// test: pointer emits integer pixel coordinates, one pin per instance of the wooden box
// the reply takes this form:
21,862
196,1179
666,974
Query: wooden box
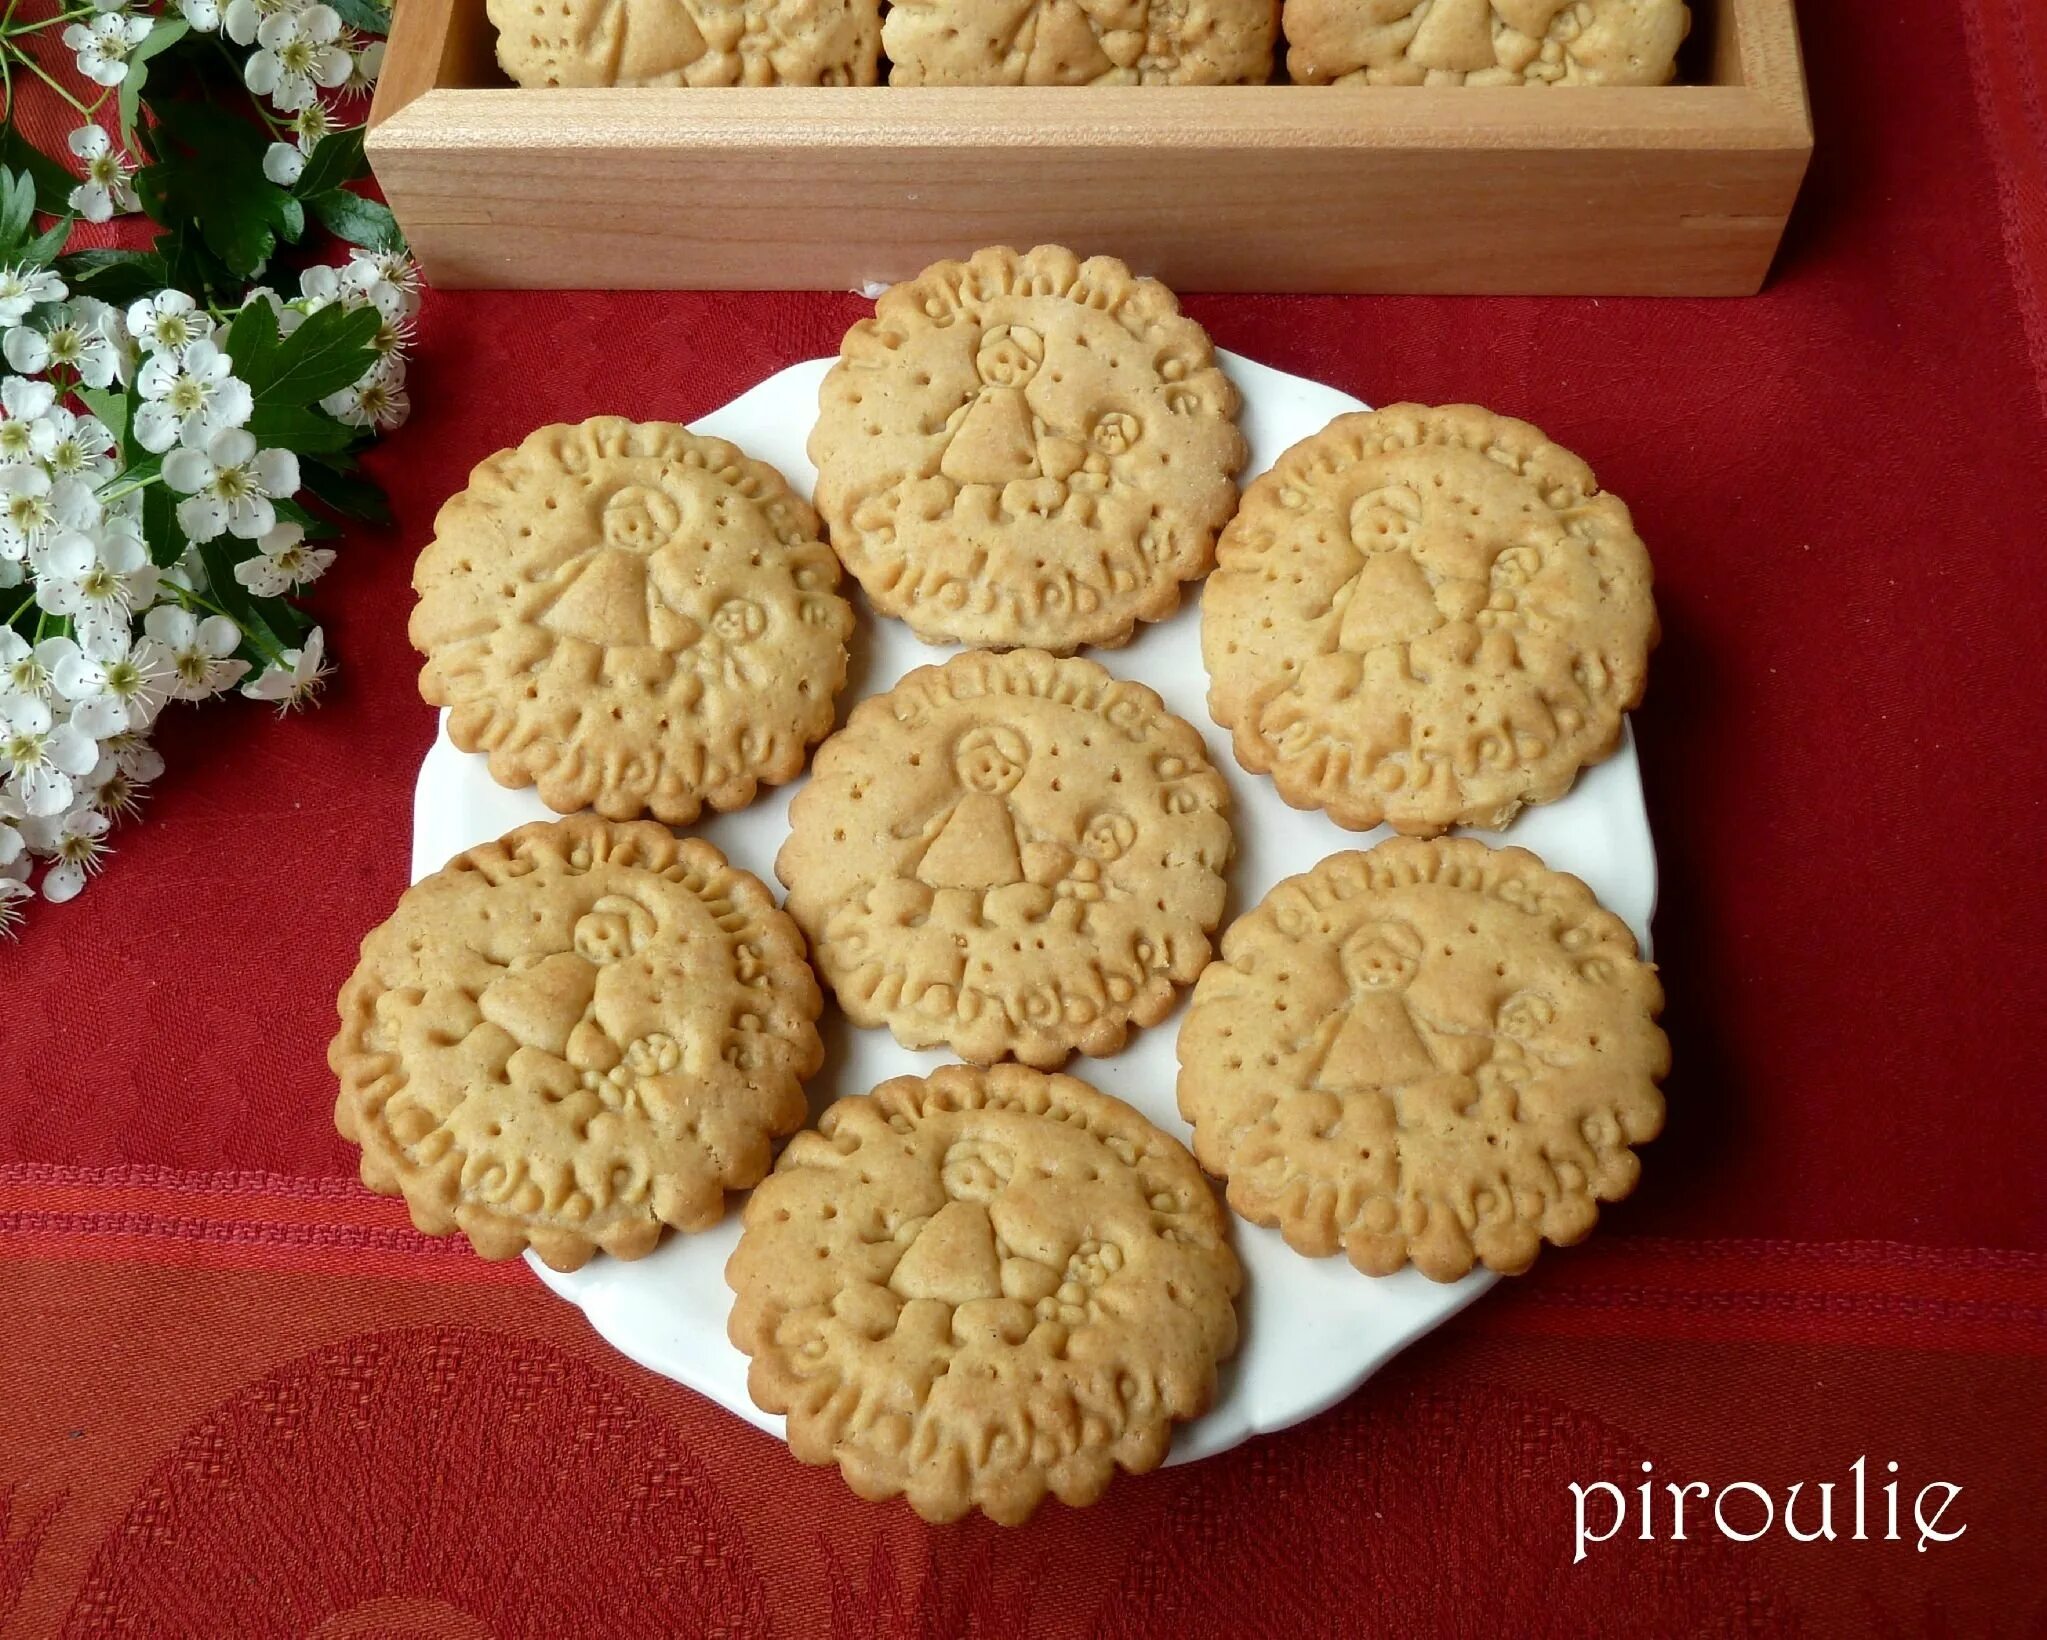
1677,190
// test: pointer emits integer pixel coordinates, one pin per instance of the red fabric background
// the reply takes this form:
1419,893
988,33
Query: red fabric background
241,1397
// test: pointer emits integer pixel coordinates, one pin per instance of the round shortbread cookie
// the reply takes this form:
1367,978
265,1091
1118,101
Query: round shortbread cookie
631,618
688,42
1430,1051
1080,42
1026,450
1484,42
1426,617
570,1037
1009,855
981,1286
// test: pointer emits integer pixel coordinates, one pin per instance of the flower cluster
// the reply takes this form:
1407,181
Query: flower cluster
111,607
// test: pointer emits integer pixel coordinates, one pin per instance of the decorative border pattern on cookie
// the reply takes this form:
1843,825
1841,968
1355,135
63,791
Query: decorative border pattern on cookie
982,1286
1430,1051
575,1035
1080,42
1485,42
688,42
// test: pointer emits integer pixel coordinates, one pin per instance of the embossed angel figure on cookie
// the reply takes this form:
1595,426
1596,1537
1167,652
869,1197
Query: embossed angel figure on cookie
1431,1051
1011,855
1427,618
1026,450
631,618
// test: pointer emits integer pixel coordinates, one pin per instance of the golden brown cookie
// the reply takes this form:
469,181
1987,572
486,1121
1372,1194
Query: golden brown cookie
981,1286
1080,42
1009,855
1431,1051
688,42
1484,42
631,618
1428,618
1026,450
570,1037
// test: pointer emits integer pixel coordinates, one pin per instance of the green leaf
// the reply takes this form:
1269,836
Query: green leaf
335,161
251,341
17,211
114,276
330,351
358,220
210,170
158,40
48,245
298,428
348,493
110,407
160,527
365,16
53,181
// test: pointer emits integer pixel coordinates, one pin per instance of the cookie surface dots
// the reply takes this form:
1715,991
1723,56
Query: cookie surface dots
632,618
983,1286
573,1036
1426,617
1484,42
1431,1051
1010,855
1026,450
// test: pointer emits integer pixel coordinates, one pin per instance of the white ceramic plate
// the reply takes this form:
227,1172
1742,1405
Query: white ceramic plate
1313,1330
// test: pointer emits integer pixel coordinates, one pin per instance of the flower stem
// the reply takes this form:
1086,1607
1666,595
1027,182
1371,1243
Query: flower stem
42,74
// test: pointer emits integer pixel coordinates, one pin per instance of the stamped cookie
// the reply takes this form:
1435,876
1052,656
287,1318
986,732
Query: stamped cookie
1009,855
1026,450
1080,42
1484,42
570,1037
631,618
981,1286
1431,1051
688,42
1428,618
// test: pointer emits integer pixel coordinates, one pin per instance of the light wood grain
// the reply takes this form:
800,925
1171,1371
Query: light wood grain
1668,190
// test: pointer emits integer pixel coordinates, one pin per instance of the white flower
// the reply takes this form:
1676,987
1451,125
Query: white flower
74,842
190,395
117,694
310,124
201,650
24,435
379,400
296,677
229,484
168,322
203,15
366,64
106,188
25,288
31,503
11,844
78,446
288,318
242,18
104,44
41,754
26,669
99,581
298,59
133,756
12,893
282,562
77,336
283,163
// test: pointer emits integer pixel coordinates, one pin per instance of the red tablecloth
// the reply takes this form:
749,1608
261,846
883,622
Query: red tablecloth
238,1396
